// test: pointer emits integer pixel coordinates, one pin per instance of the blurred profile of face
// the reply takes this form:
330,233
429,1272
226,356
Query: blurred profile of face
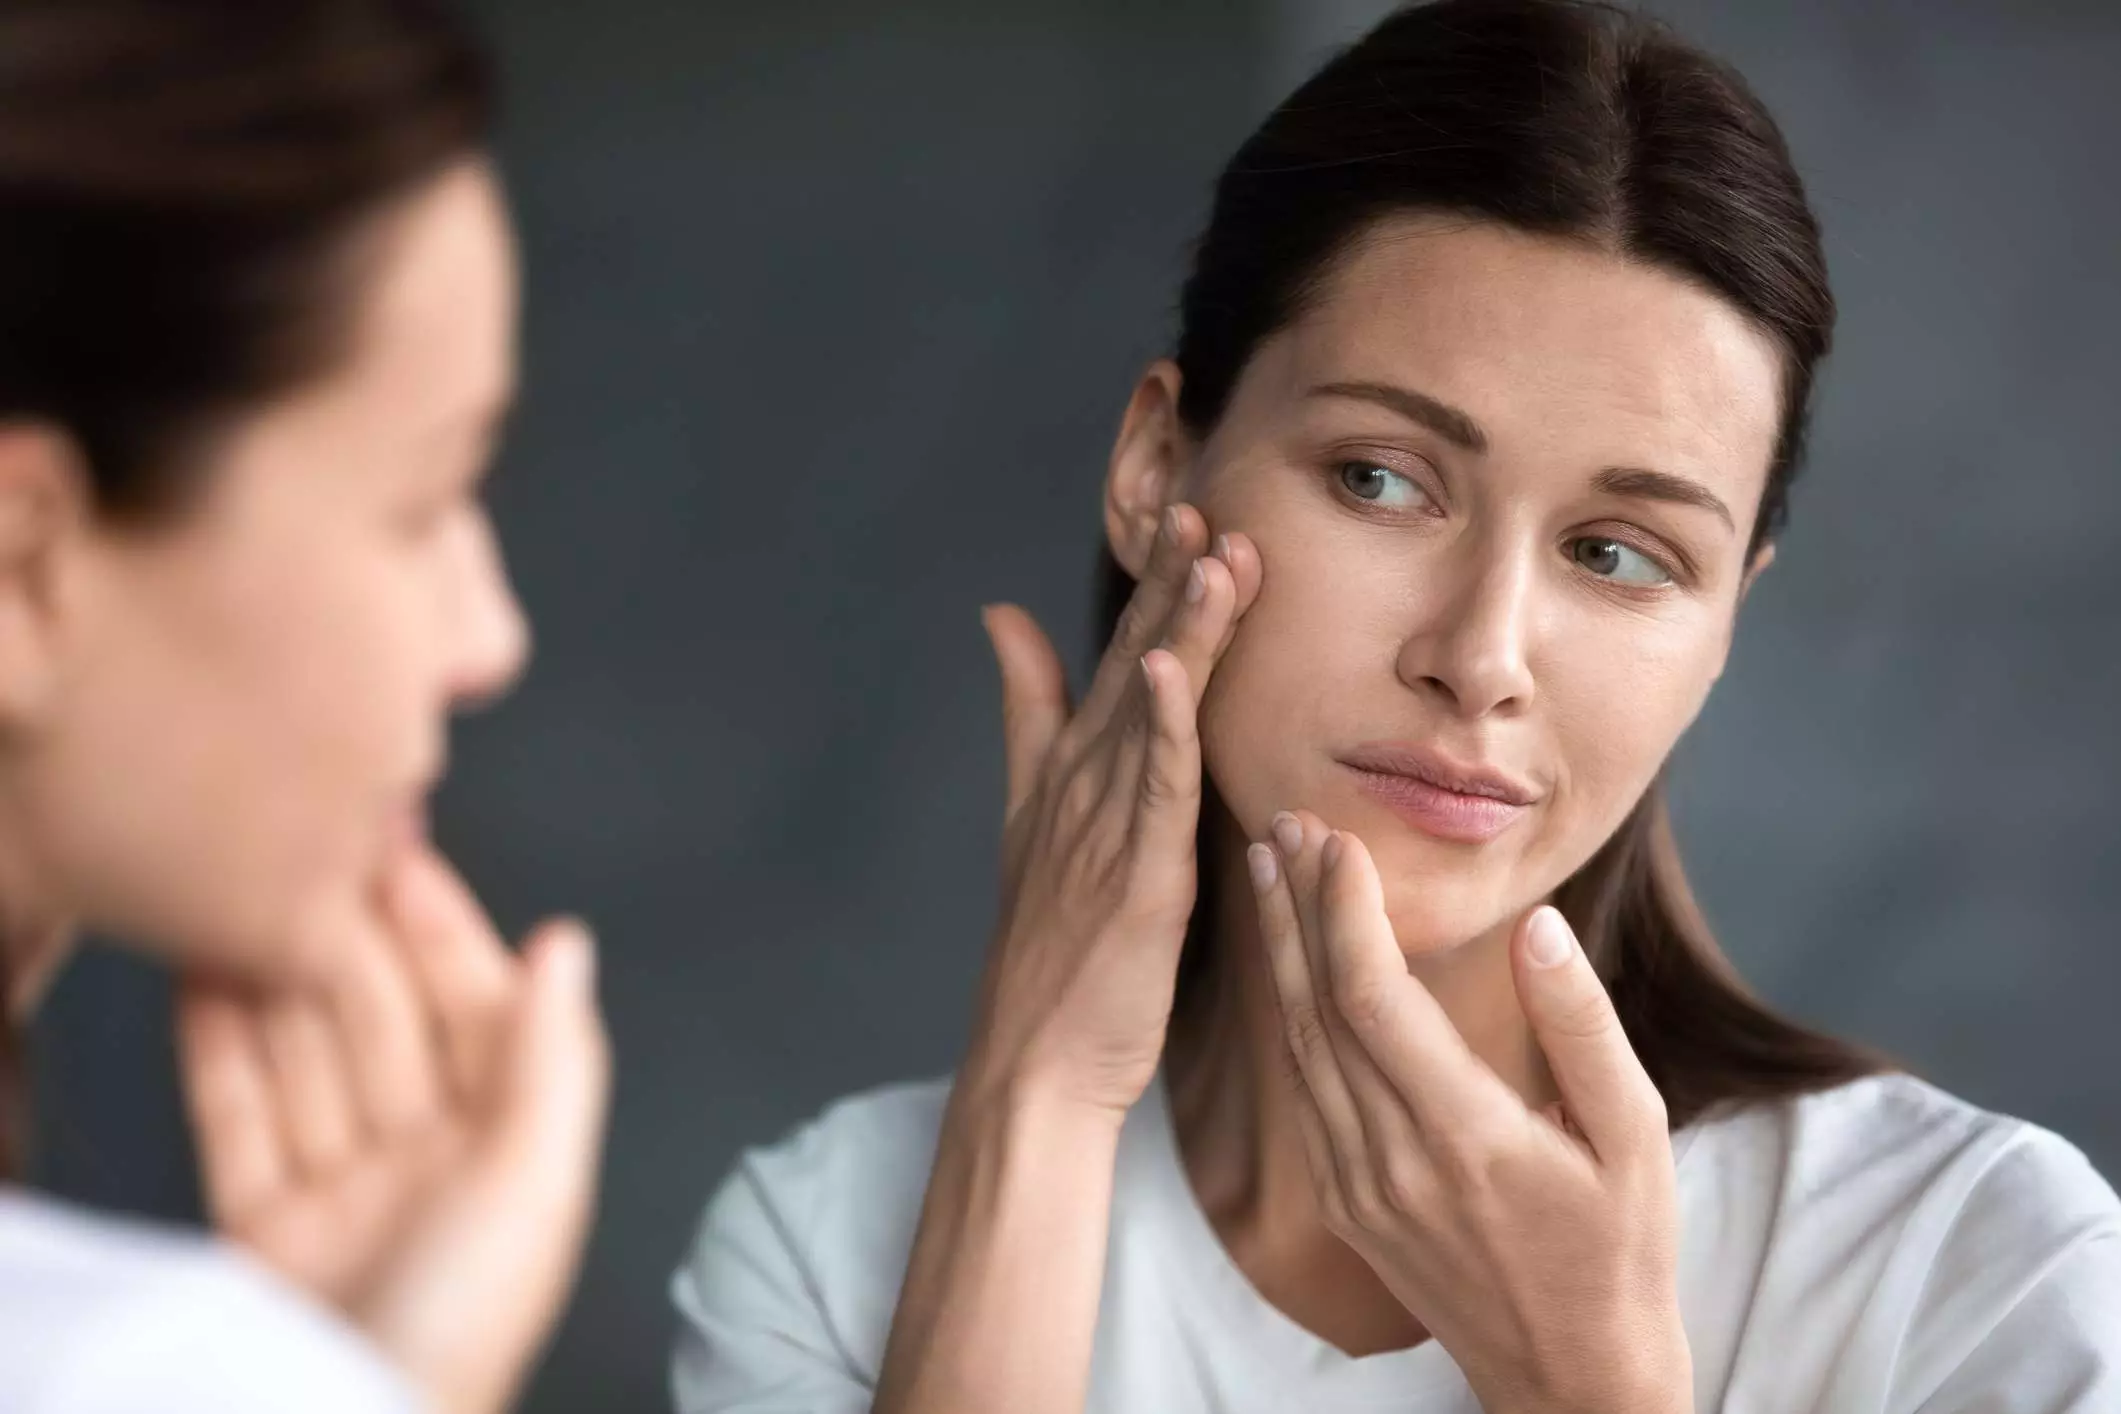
1502,487
250,696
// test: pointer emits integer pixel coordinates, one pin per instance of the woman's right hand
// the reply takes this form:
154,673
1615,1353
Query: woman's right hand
1098,846
414,1138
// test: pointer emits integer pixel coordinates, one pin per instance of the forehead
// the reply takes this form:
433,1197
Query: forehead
1553,346
436,325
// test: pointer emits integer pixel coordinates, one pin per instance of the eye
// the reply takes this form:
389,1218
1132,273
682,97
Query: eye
1380,485
1623,564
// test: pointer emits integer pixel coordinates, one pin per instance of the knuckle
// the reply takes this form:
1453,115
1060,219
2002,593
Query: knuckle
1305,1031
1080,795
1135,622
1361,997
1369,1204
1162,785
1334,1211
1406,1184
1652,1114
1471,1158
1645,1135
1586,1018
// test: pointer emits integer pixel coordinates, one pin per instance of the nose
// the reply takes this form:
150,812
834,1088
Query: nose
1469,652
492,645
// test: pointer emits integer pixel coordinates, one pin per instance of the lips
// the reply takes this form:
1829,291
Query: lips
1467,803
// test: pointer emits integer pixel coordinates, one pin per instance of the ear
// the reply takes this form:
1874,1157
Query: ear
45,502
1149,462
1764,557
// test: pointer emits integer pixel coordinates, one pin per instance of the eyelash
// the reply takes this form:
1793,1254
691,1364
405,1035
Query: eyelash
1337,466
1678,570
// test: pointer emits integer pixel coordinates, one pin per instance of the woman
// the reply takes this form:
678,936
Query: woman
257,322
1491,380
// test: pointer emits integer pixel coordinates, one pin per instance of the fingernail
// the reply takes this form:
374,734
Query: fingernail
1171,525
1331,853
1196,583
573,953
1289,834
1149,674
1261,861
1551,941
1222,548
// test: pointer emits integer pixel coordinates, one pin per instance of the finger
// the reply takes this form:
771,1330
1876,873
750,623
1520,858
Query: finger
531,1180
559,1062
1168,818
1237,550
1303,1020
1357,970
1180,540
1396,1021
1290,981
1202,625
1389,1132
1608,1093
465,973
1326,1180
382,1025
1034,694
242,1158
311,1089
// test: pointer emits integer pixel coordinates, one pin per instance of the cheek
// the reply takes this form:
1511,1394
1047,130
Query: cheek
1619,696
244,756
1317,638
330,669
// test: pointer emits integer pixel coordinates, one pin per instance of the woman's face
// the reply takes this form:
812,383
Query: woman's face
1502,488
253,697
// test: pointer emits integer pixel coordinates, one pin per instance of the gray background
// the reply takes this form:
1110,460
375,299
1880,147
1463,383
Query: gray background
833,308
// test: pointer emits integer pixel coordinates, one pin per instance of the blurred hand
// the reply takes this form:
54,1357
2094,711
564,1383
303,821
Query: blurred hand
415,1142
1098,846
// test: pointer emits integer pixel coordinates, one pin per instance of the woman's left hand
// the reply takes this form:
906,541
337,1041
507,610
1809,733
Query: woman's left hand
414,1138
1540,1247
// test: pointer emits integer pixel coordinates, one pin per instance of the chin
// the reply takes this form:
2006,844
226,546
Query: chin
310,909
1441,896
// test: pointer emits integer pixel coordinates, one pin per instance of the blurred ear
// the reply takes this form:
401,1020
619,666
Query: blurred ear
44,507
1764,557
1149,461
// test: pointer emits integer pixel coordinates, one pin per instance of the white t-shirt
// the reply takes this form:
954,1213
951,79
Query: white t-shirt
1882,1248
102,1316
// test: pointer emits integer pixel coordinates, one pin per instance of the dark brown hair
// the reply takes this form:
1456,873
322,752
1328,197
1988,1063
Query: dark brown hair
1586,122
183,188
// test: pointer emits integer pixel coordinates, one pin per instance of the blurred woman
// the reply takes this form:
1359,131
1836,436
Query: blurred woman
257,331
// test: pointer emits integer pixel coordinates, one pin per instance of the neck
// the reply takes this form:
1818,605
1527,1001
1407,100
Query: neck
1234,1111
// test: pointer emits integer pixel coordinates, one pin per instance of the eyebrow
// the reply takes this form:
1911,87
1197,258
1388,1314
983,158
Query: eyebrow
1663,486
1441,418
1458,427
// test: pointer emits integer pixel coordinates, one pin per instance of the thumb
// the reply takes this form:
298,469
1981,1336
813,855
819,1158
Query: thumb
1034,695
1608,1094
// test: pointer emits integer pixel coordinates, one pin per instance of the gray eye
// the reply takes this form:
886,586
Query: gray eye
1380,485
1610,559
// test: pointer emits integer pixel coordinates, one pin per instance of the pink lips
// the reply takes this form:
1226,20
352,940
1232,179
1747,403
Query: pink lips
1452,801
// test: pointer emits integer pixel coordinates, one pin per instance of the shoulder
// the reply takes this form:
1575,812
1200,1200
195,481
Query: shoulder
111,1314
813,1232
855,1159
1939,1240
1892,1140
